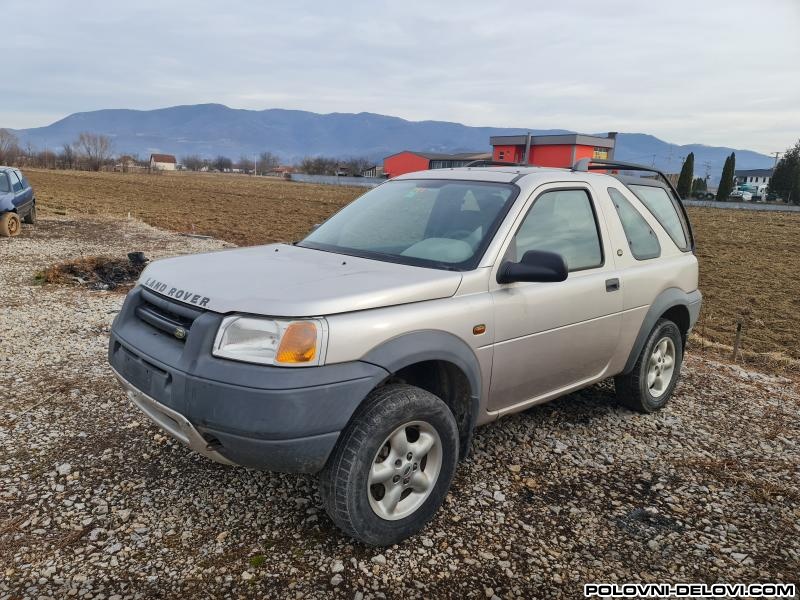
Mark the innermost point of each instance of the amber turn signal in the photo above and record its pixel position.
(479, 329)
(299, 343)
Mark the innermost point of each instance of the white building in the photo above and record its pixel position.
(753, 176)
(163, 162)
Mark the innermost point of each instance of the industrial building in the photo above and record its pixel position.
(537, 150)
(409, 161)
(551, 150)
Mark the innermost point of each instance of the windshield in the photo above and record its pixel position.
(435, 223)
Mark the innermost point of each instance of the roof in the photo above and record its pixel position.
(163, 158)
(753, 173)
(442, 156)
(567, 139)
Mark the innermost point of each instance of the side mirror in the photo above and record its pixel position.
(536, 265)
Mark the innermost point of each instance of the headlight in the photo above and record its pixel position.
(297, 343)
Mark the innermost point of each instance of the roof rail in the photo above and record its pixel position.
(493, 163)
(601, 164)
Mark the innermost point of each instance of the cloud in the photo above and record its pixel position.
(716, 72)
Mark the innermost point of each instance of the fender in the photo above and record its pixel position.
(431, 344)
(664, 301)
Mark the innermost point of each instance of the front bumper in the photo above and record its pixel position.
(174, 423)
(272, 418)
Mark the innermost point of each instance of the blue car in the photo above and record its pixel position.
(17, 202)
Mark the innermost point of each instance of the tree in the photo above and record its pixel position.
(726, 181)
(9, 147)
(267, 162)
(245, 163)
(95, 148)
(67, 156)
(222, 163)
(193, 162)
(785, 180)
(686, 176)
(699, 185)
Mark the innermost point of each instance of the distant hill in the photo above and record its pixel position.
(212, 129)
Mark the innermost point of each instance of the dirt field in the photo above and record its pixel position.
(749, 261)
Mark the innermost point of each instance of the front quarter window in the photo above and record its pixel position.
(433, 223)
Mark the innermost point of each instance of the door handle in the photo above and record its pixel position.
(612, 285)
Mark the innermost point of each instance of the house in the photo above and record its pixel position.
(373, 171)
(754, 176)
(163, 162)
(280, 171)
(409, 161)
(551, 150)
(127, 164)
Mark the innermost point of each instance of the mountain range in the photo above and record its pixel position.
(209, 130)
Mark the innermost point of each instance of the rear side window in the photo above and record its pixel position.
(4, 185)
(663, 208)
(642, 240)
(563, 222)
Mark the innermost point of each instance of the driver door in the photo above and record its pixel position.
(552, 337)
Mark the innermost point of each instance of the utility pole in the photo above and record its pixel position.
(777, 154)
(255, 166)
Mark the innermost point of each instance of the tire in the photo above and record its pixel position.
(30, 218)
(9, 224)
(391, 413)
(649, 386)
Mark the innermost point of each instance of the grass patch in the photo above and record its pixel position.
(257, 561)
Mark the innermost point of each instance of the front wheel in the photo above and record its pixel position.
(392, 467)
(650, 384)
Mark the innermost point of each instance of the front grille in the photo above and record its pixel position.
(166, 315)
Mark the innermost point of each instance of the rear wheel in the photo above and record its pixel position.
(392, 466)
(30, 218)
(9, 224)
(650, 384)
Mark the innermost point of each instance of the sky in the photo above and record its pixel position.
(717, 72)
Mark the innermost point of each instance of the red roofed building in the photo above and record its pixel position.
(163, 162)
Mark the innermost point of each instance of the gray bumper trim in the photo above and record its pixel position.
(171, 421)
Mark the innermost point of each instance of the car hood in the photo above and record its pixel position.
(288, 281)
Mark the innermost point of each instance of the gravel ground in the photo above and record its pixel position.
(96, 503)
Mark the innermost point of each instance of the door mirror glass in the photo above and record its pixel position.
(536, 265)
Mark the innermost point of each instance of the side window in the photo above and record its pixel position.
(15, 182)
(659, 203)
(561, 221)
(642, 240)
(4, 184)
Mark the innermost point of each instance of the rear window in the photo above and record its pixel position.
(4, 186)
(642, 240)
(664, 210)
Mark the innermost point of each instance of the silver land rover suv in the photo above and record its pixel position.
(369, 351)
